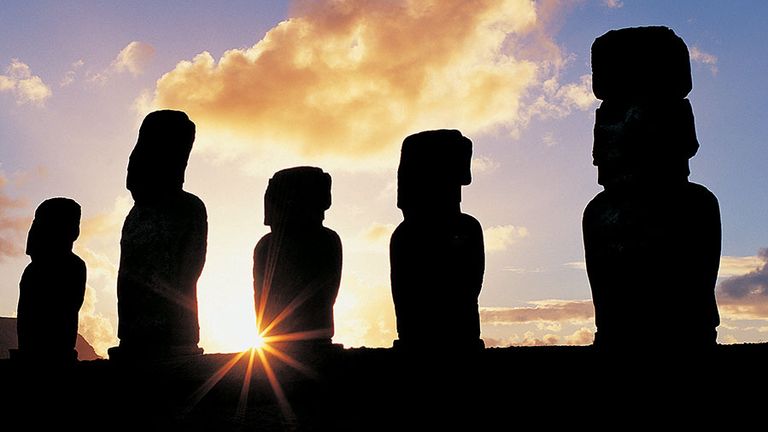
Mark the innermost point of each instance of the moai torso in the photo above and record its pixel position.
(163, 244)
(297, 267)
(651, 238)
(52, 287)
(436, 254)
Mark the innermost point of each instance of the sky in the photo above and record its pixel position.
(339, 84)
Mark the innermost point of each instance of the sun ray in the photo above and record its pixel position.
(290, 361)
(206, 387)
(282, 400)
(242, 403)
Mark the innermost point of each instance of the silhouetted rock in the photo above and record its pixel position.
(297, 266)
(436, 254)
(651, 238)
(640, 63)
(163, 244)
(10, 341)
(52, 288)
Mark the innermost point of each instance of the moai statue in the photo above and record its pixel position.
(436, 254)
(651, 238)
(297, 266)
(52, 287)
(163, 245)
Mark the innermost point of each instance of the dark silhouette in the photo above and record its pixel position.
(52, 288)
(436, 254)
(297, 266)
(163, 244)
(651, 238)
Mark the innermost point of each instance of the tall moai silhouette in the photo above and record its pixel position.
(651, 237)
(297, 266)
(52, 287)
(437, 256)
(163, 245)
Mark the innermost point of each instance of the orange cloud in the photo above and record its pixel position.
(353, 78)
(134, 58)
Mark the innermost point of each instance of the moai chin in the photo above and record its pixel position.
(52, 287)
(651, 238)
(163, 245)
(437, 255)
(297, 266)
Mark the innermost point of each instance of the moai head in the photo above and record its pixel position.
(55, 227)
(297, 197)
(157, 164)
(644, 129)
(434, 165)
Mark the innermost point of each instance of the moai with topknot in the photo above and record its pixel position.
(651, 237)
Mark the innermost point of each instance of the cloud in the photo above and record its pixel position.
(12, 226)
(575, 311)
(378, 232)
(746, 296)
(364, 314)
(699, 56)
(99, 238)
(350, 79)
(23, 85)
(500, 238)
(613, 4)
(738, 266)
(483, 165)
(557, 101)
(133, 59)
(71, 74)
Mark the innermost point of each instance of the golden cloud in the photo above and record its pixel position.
(353, 78)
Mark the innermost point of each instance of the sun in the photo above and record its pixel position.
(259, 342)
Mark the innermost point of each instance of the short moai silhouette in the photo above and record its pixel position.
(52, 287)
(651, 237)
(297, 266)
(437, 256)
(163, 245)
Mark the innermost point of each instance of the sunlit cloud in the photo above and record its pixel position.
(364, 314)
(23, 85)
(133, 59)
(500, 238)
(13, 225)
(97, 246)
(351, 79)
(705, 58)
(582, 336)
(613, 4)
(574, 311)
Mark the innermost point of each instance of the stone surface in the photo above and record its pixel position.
(297, 266)
(640, 63)
(52, 287)
(437, 255)
(163, 244)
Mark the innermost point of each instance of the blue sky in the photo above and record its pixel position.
(531, 131)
